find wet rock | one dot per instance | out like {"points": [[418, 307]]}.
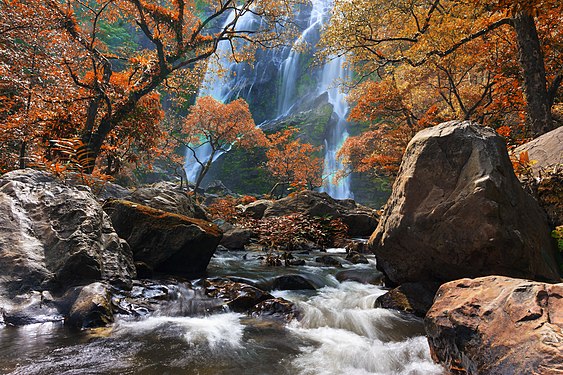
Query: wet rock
{"points": [[256, 209], [239, 297], [327, 260], [413, 298], [497, 325], [293, 282], [53, 235], [356, 258], [296, 262], [168, 197], [144, 271], [457, 210], [236, 238], [361, 220], [166, 242], [367, 276], [276, 308], [361, 247], [92, 307], [30, 308]]}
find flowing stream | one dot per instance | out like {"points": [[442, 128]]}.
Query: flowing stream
{"points": [[239, 79], [339, 332]]}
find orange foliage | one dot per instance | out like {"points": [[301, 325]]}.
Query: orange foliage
{"points": [[292, 163]]}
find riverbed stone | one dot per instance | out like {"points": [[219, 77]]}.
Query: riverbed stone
{"points": [[166, 242], [328, 260], [457, 210], [92, 307], [293, 282], [236, 238], [53, 235], [497, 325], [240, 297], [412, 298], [276, 308], [363, 276]]}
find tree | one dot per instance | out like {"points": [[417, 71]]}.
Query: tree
{"points": [[218, 127], [106, 84], [427, 32], [292, 163]]}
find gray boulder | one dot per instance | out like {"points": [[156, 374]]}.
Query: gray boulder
{"points": [[236, 238], [53, 236], [457, 210]]}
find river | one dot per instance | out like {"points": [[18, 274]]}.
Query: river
{"points": [[339, 332]]}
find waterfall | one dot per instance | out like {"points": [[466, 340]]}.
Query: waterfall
{"points": [[331, 74], [222, 81], [288, 64]]}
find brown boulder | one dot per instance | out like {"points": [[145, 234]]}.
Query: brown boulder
{"points": [[164, 241], [497, 325], [236, 238], [457, 210], [256, 209], [361, 221]]}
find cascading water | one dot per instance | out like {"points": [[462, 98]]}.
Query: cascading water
{"points": [[223, 80], [289, 64], [333, 72]]}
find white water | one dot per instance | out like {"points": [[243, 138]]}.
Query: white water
{"points": [[214, 331], [354, 338]]}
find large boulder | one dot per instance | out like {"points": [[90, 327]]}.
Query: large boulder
{"points": [[164, 241], [53, 236], [545, 151], [168, 197], [361, 220], [497, 325], [546, 180], [457, 210]]}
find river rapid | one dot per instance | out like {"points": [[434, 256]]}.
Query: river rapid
{"points": [[338, 332]]}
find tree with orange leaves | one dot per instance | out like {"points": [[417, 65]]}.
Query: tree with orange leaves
{"points": [[292, 163], [103, 87], [217, 127]]}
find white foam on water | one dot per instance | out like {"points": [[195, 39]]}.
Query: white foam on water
{"points": [[215, 330], [350, 336], [340, 351]]}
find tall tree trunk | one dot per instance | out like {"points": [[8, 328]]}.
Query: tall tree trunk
{"points": [[533, 68]]}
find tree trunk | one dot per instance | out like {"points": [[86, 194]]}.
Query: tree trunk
{"points": [[533, 68], [22, 154]]}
